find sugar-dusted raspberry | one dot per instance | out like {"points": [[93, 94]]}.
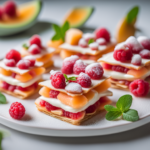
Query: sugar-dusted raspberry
{"points": [[139, 87], [145, 54], [10, 62], [1, 13], [103, 33], [83, 43], [24, 64], [42, 103], [74, 116], [122, 52], [17, 110], [144, 41], [5, 85], [13, 75], [12, 88], [31, 59], [120, 69], [84, 80], [136, 60], [79, 67], [135, 46], [13, 54], [68, 64], [101, 41], [10, 8], [107, 66], [52, 73], [34, 49], [58, 80], [88, 36], [93, 46], [95, 71], [53, 93], [50, 107], [35, 39]]}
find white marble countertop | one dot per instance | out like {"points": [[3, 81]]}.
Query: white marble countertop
{"points": [[107, 14]]}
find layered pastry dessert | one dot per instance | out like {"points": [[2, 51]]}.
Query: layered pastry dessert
{"points": [[76, 93], [19, 77], [89, 46], [129, 62], [35, 49]]}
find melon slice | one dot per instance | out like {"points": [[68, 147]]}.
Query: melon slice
{"points": [[38, 71], [65, 53], [5, 72], [138, 73], [44, 58], [23, 78], [27, 15], [73, 36], [44, 92], [78, 16]]}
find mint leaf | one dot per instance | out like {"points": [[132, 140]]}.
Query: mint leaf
{"points": [[72, 78], [132, 14], [25, 46], [57, 29], [2, 99], [1, 137], [65, 27], [131, 115], [56, 37], [90, 41], [110, 108], [66, 77], [124, 102], [112, 115]]}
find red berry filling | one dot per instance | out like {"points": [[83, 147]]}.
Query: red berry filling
{"points": [[16, 110], [123, 82], [50, 107], [139, 88], [42, 103], [53, 93]]}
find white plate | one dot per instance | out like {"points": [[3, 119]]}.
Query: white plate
{"points": [[35, 122]]}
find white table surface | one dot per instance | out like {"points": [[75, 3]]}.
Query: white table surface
{"points": [[107, 14]]}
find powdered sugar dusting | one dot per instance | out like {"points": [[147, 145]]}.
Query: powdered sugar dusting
{"points": [[73, 88], [83, 43], [101, 41], [29, 57], [88, 36], [71, 58], [94, 46], [93, 67], [143, 38], [121, 46], [136, 59], [24, 61]]}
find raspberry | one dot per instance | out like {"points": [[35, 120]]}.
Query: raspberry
{"points": [[12, 88], [34, 49], [145, 54], [79, 67], [16, 110], [35, 39], [120, 69], [68, 64], [10, 8], [13, 54], [127, 83], [1, 13], [84, 80], [53, 93], [13, 75], [50, 107], [52, 73], [136, 60], [58, 80], [89, 36], [107, 66], [74, 116], [10, 62], [102, 33], [31, 59], [42, 103], [23, 64], [93, 46], [5, 85], [139, 88], [95, 71], [122, 53], [83, 43], [144, 41], [135, 46], [101, 41]]}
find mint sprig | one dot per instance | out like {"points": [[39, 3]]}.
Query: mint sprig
{"points": [[2, 99], [69, 78], [122, 109], [90, 41], [132, 14], [25, 46], [3, 134], [60, 31]]}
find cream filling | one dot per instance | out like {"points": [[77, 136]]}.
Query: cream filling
{"points": [[16, 82], [123, 76], [58, 103]]}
